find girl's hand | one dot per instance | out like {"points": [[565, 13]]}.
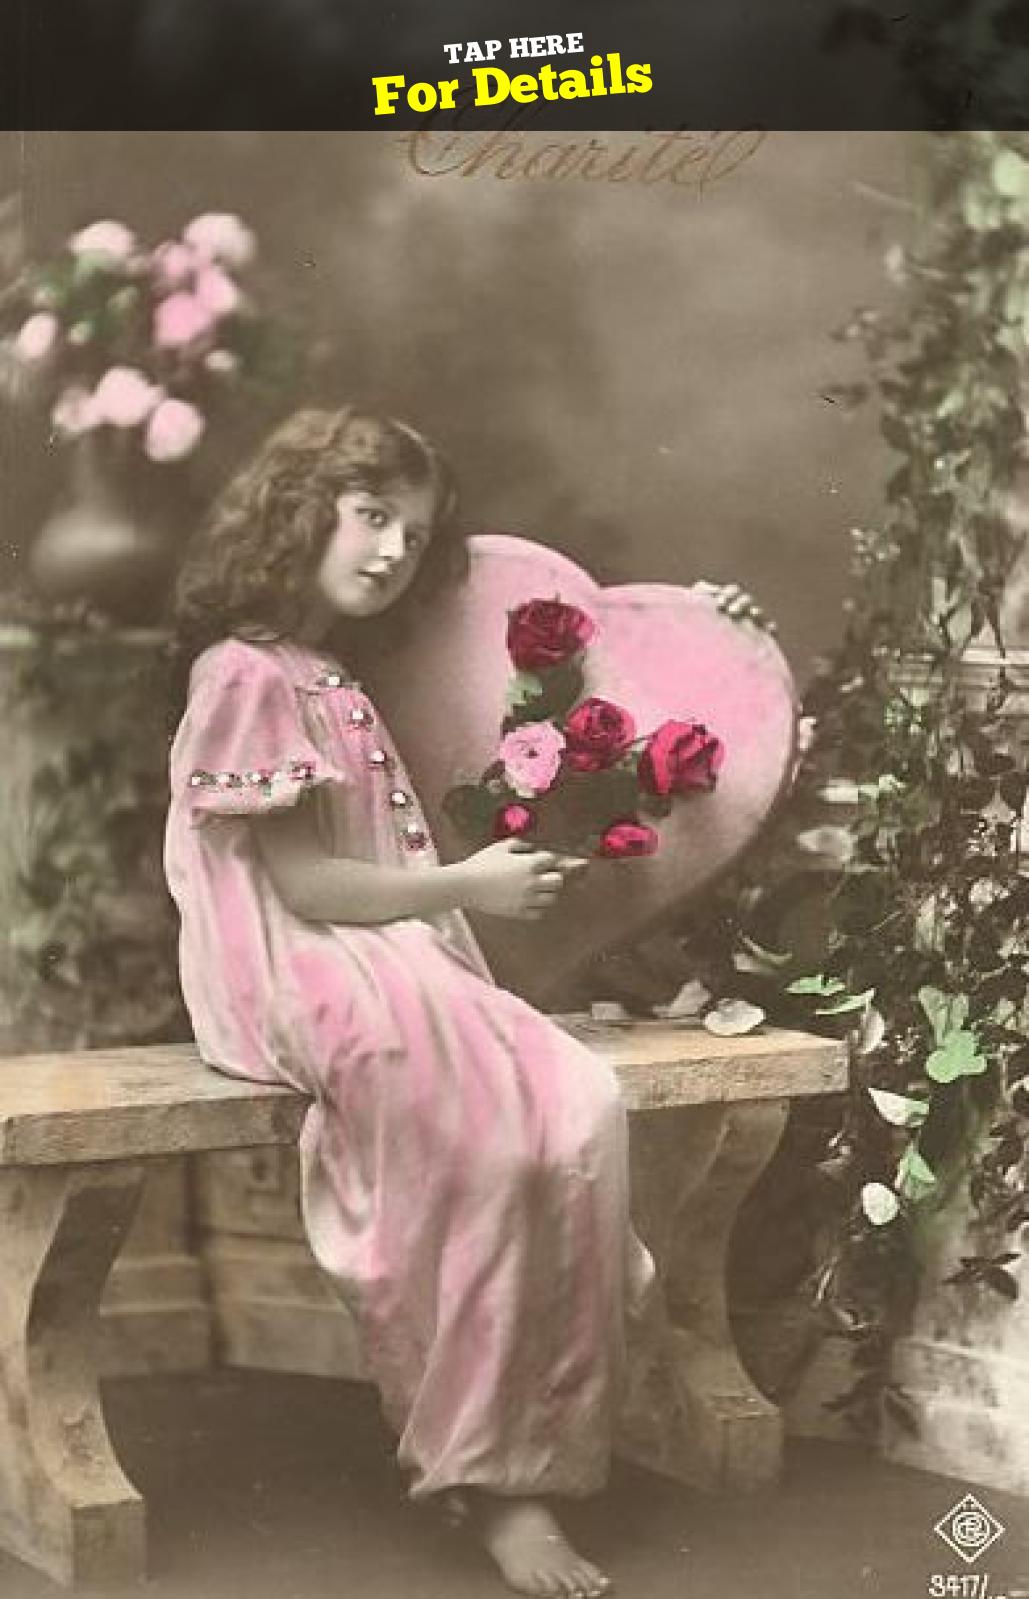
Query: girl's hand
{"points": [[736, 603], [513, 878]]}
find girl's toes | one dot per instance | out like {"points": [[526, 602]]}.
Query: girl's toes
{"points": [[590, 1581]]}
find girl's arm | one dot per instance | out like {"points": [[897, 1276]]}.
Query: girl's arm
{"points": [[506, 879]]}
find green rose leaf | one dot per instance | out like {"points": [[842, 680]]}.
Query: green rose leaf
{"points": [[656, 805], [522, 688], [123, 302], [93, 264], [471, 808], [560, 689]]}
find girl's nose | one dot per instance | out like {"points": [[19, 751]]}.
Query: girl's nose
{"points": [[391, 542]]}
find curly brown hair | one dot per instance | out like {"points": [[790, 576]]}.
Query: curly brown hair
{"points": [[250, 568]]}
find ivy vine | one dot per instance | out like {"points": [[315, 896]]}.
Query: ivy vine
{"points": [[892, 903]]}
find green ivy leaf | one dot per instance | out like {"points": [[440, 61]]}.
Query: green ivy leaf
{"points": [[879, 1203], [754, 959], [915, 1177], [899, 1109], [900, 1407], [819, 984], [849, 1002], [1010, 174], [1012, 788], [1001, 1281], [946, 1013], [958, 1056]]}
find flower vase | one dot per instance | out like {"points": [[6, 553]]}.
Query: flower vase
{"points": [[103, 545]]}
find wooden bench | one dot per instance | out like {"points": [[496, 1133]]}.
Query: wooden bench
{"points": [[77, 1131]]}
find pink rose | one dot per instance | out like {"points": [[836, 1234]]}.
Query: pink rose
{"points": [[627, 839], [544, 633], [680, 758], [216, 292], [124, 397], [173, 265], [514, 821], [532, 757], [112, 239], [597, 732], [221, 236], [74, 413], [173, 431], [179, 320], [36, 338]]}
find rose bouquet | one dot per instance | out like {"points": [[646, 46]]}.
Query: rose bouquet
{"points": [[125, 343], [571, 771]]}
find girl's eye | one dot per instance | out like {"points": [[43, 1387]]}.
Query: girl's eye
{"points": [[375, 516], [413, 541]]}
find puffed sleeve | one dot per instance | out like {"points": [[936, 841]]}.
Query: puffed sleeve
{"points": [[242, 748]]}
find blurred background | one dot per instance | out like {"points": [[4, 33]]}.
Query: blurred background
{"points": [[639, 374]]}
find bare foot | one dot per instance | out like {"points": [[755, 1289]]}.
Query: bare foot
{"points": [[532, 1552]]}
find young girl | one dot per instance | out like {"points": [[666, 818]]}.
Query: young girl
{"points": [[464, 1159]]}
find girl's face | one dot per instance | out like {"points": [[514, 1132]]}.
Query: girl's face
{"points": [[374, 550]]}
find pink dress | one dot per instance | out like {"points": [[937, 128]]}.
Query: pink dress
{"points": [[464, 1159]]}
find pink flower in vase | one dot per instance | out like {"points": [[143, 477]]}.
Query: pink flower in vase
{"points": [[173, 265], [36, 338], [124, 397], [111, 239], [531, 755], [221, 236], [74, 412], [174, 430], [216, 292], [181, 320]]}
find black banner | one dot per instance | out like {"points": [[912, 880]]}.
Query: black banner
{"points": [[320, 64]]}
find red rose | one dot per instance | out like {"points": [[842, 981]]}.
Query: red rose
{"points": [[596, 733], [627, 838], [514, 821], [680, 758], [544, 633]]}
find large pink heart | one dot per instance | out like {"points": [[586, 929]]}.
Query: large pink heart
{"points": [[662, 652]]}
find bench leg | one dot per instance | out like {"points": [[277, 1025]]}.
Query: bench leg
{"points": [[65, 1505], [694, 1414]]}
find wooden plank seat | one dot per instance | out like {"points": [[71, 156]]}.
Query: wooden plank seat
{"points": [[77, 1131]]}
